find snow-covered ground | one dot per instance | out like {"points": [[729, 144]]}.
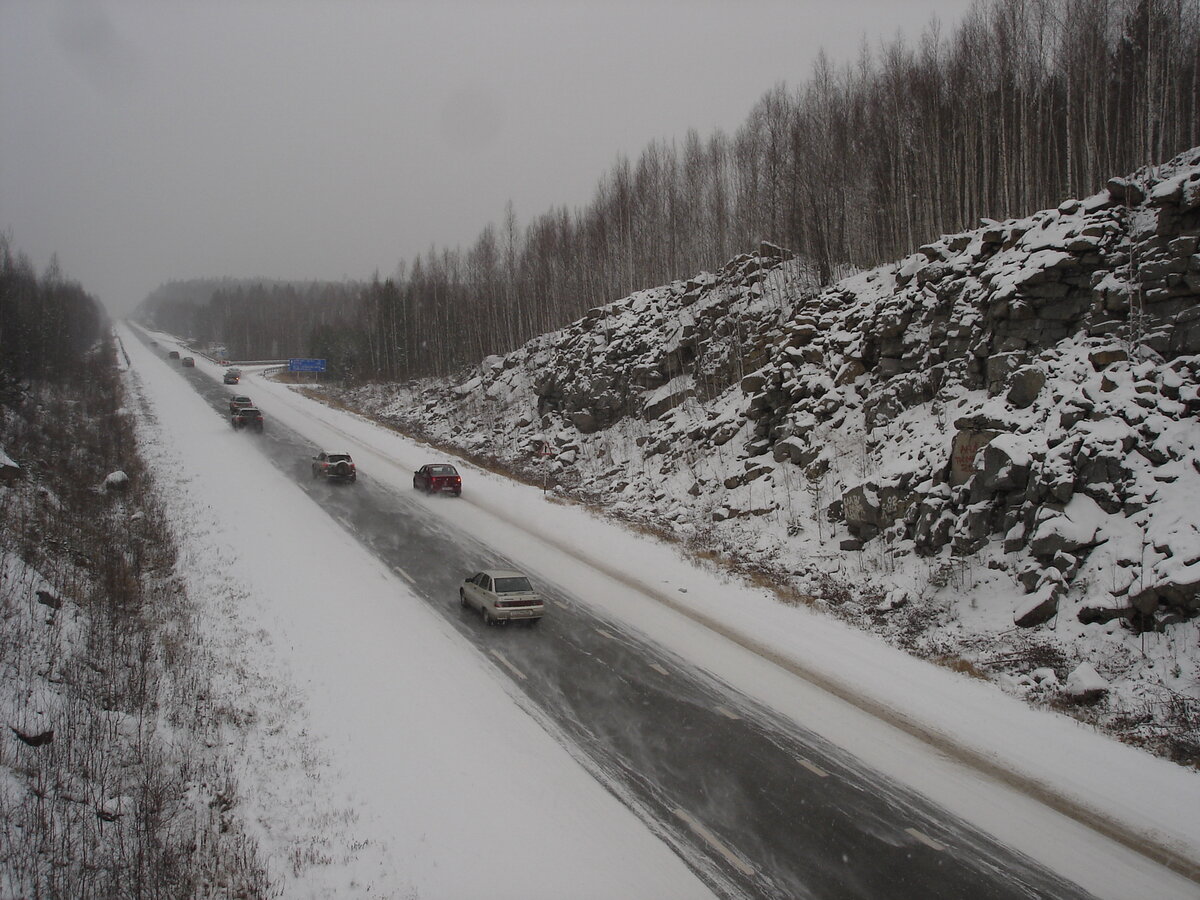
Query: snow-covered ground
{"points": [[370, 709]]}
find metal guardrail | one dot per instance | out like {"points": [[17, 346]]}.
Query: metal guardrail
{"points": [[253, 362]]}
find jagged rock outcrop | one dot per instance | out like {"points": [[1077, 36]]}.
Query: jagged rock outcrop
{"points": [[996, 322], [647, 354]]}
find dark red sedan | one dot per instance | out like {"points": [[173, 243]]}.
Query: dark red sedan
{"points": [[438, 478]]}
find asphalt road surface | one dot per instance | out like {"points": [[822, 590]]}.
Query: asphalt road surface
{"points": [[754, 803]]}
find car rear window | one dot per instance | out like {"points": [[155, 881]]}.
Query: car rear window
{"points": [[339, 457], [513, 585], [442, 470]]}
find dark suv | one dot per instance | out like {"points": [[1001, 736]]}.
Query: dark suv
{"points": [[334, 466], [247, 417]]}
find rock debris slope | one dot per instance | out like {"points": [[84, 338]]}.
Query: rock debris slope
{"points": [[986, 452]]}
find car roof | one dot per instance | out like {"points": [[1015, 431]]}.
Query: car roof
{"points": [[334, 452], [504, 573]]}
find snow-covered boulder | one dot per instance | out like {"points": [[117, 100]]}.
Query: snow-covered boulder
{"points": [[1084, 681], [1040, 606], [8, 467], [116, 481]]}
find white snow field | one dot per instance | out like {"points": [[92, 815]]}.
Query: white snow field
{"points": [[360, 775]]}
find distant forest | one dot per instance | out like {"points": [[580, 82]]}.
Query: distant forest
{"points": [[1024, 104], [47, 324]]}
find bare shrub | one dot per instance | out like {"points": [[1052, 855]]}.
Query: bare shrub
{"points": [[101, 758], [1165, 722], [960, 665]]}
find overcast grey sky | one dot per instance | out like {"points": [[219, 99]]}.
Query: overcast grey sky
{"points": [[145, 141]]}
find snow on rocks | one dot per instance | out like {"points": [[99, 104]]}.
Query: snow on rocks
{"points": [[9, 468], [116, 481], [1084, 680]]}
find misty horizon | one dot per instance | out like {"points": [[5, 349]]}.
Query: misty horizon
{"points": [[144, 144]]}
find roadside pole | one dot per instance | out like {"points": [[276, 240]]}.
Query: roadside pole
{"points": [[546, 453]]}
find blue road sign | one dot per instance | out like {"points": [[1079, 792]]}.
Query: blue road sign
{"points": [[306, 365]]}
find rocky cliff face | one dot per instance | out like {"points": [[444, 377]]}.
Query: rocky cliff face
{"points": [[1062, 347], [987, 451]]}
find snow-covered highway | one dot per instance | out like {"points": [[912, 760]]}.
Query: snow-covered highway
{"points": [[496, 771]]}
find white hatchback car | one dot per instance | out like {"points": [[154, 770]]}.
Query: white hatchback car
{"points": [[502, 595]]}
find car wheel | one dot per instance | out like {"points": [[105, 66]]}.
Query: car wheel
{"points": [[415, 487], [487, 616], [462, 598]]}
